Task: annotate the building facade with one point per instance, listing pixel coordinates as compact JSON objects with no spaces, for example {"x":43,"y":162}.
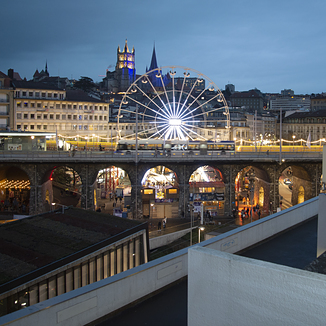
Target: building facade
{"x":72,"y":113}
{"x":6,"y":102}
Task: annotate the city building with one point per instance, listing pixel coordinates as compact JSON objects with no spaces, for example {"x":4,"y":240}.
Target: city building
{"x":6,"y":102}
{"x":318,"y":102}
{"x":249,"y":100}
{"x":287,"y":101}
{"x":72,"y":113}
{"x":300,"y":125}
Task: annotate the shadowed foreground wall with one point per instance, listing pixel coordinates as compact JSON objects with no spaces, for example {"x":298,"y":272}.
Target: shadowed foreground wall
{"x":225,"y":289}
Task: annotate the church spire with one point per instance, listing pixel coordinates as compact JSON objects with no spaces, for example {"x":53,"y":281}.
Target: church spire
{"x":153,"y":64}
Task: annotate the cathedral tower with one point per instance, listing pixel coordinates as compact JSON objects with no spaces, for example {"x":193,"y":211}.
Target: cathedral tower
{"x":125,"y":68}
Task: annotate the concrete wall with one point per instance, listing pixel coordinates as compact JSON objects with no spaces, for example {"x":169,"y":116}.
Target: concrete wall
{"x":250,"y":234}
{"x":225,"y":289}
{"x":93,"y":301}
{"x":163,"y":240}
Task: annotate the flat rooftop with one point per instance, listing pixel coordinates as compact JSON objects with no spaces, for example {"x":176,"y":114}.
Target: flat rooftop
{"x":31,"y":243}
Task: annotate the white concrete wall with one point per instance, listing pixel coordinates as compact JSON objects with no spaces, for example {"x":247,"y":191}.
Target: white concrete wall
{"x":321,"y":233}
{"x":93,"y":301}
{"x":250,"y":234}
{"x":225,"y":289}
{"x":164,"y":240}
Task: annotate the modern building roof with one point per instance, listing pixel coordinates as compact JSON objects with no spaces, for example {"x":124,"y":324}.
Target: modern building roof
{"x":303,"y":115}
{"x":33,"y":85}
{"x":32,"y":243}
{"x":81,"y":96}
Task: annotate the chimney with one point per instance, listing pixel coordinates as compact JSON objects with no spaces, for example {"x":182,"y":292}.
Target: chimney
{"x":11,"y":73}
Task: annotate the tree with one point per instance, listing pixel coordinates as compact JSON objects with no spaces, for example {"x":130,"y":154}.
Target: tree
{"x":85,"y":83}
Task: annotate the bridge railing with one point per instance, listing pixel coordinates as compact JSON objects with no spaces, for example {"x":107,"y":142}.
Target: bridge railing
{"x":145,"y":156}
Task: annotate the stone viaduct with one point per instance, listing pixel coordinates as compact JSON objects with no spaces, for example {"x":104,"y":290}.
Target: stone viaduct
{"x":306,"y":173}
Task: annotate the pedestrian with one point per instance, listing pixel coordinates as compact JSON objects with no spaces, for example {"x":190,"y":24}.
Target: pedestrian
{"x":159,"y":225}
{"x":116,"y":198}
{"x":259,"y":213}
{"x":163,"y":223}
{"x":120,"y":199}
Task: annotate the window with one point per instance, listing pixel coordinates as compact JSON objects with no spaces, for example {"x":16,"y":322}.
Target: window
{"x":80,"y":127}
{"x":63,"y":106}
{"x":80,"y":107}
{"x":85,"y":107}
{"x":85,"y":117}
{"x":25,"y":115}
{"x":38,"y":127}
{"x":105,"y":108}
{"x":100,"y":107}
{"x":80,"y":117}
{"x":100,"y":117}
{"x":57,"y":106}
{"x":95,"y":107}
{"x":69,"y":116}
{"x":19,"y":104}
{"x":57,"y":116}
{"x":51,"y":116}
{"x":32,"y":116}
{"x":19,"y":115}
{"x":45,"y":127}
{"x":105,"y":117}
{"x":30,"y":94}
{"x":38,"y":105}
{"x":63,"y":117}
{"x":75,"y":106}
{"x":90,"y":117}
{"x":25,"y":105}
{"x":17,"y":93}
{"x":37,"y":94}
{"x":75,"y":117}
{"x":32,"y":105}
{"x":25,"y":127}
{"x":85,"y":127}
{"x":43,"y":94}
{"x":74,"y":127}
{"x":55,"y":95}
{"x":95,"y":117}
{"x":69,"y":106}
{"x":39,"y":116}
{"x":45,"y":116}
{"x":24,"y":93}
{"x":49,"y":95}
{"x":31,"y":127}
{"x":19,"y":126}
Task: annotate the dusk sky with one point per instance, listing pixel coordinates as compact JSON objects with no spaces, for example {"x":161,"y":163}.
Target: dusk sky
{"x":270,"y":45}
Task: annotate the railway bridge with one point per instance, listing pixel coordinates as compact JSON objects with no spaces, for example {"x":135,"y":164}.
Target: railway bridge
{"x":306,"y":170}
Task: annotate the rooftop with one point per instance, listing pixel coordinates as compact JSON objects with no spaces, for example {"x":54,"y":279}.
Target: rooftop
{"x":32,"y":243}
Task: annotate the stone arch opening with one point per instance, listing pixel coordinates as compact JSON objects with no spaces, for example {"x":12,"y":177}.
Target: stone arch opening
{"x":112,"y":191}
{"x":252,"y":189}
{"x":62,"y":187}
{"x":160,"y":193}
{"x":301,"y":195}
{"x":291,"y":180}
{"x":14,"y":191}
{"x":206,"y":193}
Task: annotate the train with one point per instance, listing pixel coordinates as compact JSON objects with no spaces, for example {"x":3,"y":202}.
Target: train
{"x":169,"y":145}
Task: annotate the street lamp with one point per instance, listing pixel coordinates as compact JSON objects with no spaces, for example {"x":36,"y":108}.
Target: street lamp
{"x":201,"y":228}
{"x":63,"y":207}
{"x":293,"y":137}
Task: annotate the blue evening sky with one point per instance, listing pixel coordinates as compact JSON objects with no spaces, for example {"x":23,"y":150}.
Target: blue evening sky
{"x":271,"y":45}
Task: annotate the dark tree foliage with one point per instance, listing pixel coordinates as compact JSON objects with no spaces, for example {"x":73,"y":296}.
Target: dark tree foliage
{"x":85,"y":83}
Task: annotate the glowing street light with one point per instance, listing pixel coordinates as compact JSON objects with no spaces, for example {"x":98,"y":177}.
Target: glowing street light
{"x":63,"y":206}
{"x":201,"y":228}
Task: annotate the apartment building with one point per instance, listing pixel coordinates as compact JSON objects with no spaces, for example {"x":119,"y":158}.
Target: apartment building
{"x":72,"y":113}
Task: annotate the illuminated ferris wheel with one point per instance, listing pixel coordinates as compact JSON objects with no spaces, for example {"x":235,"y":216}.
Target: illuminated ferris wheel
{"x":173,"y":102}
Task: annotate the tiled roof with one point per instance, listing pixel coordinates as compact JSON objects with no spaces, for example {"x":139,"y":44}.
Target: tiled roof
{"x":2,"y":75}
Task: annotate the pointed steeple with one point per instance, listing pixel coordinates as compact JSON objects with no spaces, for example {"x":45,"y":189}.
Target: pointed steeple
{"x":126,"y":50}
{"x":153,"y":64}
{"x":46,"y":66}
